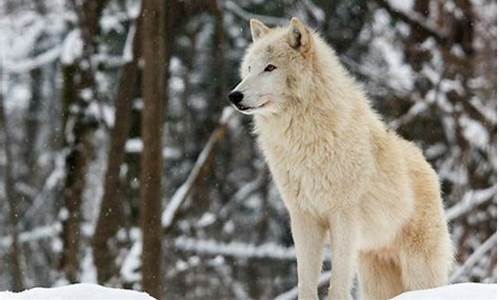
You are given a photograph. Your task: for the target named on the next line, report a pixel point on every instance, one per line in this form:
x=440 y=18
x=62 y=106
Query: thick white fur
x=344 y=177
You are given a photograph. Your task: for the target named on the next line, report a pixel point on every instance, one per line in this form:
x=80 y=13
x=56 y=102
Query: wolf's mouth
x=244 y=108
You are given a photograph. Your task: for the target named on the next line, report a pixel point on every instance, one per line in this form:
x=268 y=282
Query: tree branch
x=235 y=249
x=489 y=244
x=243 y=14
x=471 y=200
x=415 y=21
x=183 y=191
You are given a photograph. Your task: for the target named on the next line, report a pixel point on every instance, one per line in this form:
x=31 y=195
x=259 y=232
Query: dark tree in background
x=12 y=199
x=78 y=124
x=154 y=97
x=122 y=164
x=111 y=214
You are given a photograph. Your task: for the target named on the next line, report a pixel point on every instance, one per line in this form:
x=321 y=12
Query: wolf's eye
x=270 y=68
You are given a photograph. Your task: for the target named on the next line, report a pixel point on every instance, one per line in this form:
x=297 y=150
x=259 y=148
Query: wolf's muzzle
x=235 y=97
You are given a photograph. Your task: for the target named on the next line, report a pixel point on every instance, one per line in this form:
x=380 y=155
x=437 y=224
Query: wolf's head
x=277 y=68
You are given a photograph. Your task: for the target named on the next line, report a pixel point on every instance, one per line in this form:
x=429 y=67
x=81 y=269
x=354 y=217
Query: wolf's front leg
x=343 y=242
x=309 y=237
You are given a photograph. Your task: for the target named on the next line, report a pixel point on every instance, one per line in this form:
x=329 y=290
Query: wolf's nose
x=235 y=97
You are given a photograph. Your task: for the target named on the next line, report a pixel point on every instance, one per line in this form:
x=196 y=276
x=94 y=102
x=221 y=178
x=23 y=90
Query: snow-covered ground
x=461 y=291
x=81 y=291
x=84 y=291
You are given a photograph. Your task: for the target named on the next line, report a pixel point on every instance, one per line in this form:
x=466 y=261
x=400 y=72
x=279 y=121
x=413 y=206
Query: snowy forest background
x=80 y=168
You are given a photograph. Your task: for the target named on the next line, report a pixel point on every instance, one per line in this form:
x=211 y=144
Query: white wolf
x=342 y=174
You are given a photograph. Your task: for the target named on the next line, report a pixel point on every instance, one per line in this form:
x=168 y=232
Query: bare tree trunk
x=415 y=53
x=78 y=82
x=215 y=108
x=189 y=114
x=111 y=212
x=154 y=97
x=32 y=124
x=12 y=199
x=76 y=170
x=221 y=168
x=32 y=116
x=219 y=56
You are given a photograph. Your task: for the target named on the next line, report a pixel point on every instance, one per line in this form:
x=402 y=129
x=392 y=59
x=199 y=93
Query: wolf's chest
x=302 y=173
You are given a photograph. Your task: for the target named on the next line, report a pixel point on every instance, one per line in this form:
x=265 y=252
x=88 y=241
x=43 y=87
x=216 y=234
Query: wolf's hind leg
x=309 y=238
x=420 y=271
x=380 y=278
x=426 y=253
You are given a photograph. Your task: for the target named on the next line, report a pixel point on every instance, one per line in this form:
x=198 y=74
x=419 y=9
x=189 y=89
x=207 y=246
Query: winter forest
x=121 y=162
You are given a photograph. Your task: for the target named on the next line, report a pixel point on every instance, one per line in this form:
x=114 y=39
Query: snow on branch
x=248 y=189
x=130 y=269
x=243 y=193
x=415 y=20
x=38 y=233
x=235 y=249
x=489 y=244
x=245 y=15
x=379 y=80
x=294 y=292
x=471 y=200
x=72 y=47
x=415 y=109
x=27 y=65
x=128 y=54
x=476 y=113
x=184 y=190
x=51 y=181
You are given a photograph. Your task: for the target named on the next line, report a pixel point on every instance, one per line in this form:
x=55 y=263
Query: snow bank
x=462 y=291
x=81 y=291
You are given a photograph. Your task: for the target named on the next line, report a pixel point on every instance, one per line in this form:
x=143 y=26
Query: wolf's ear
x=299 y=37
x=257 y=28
